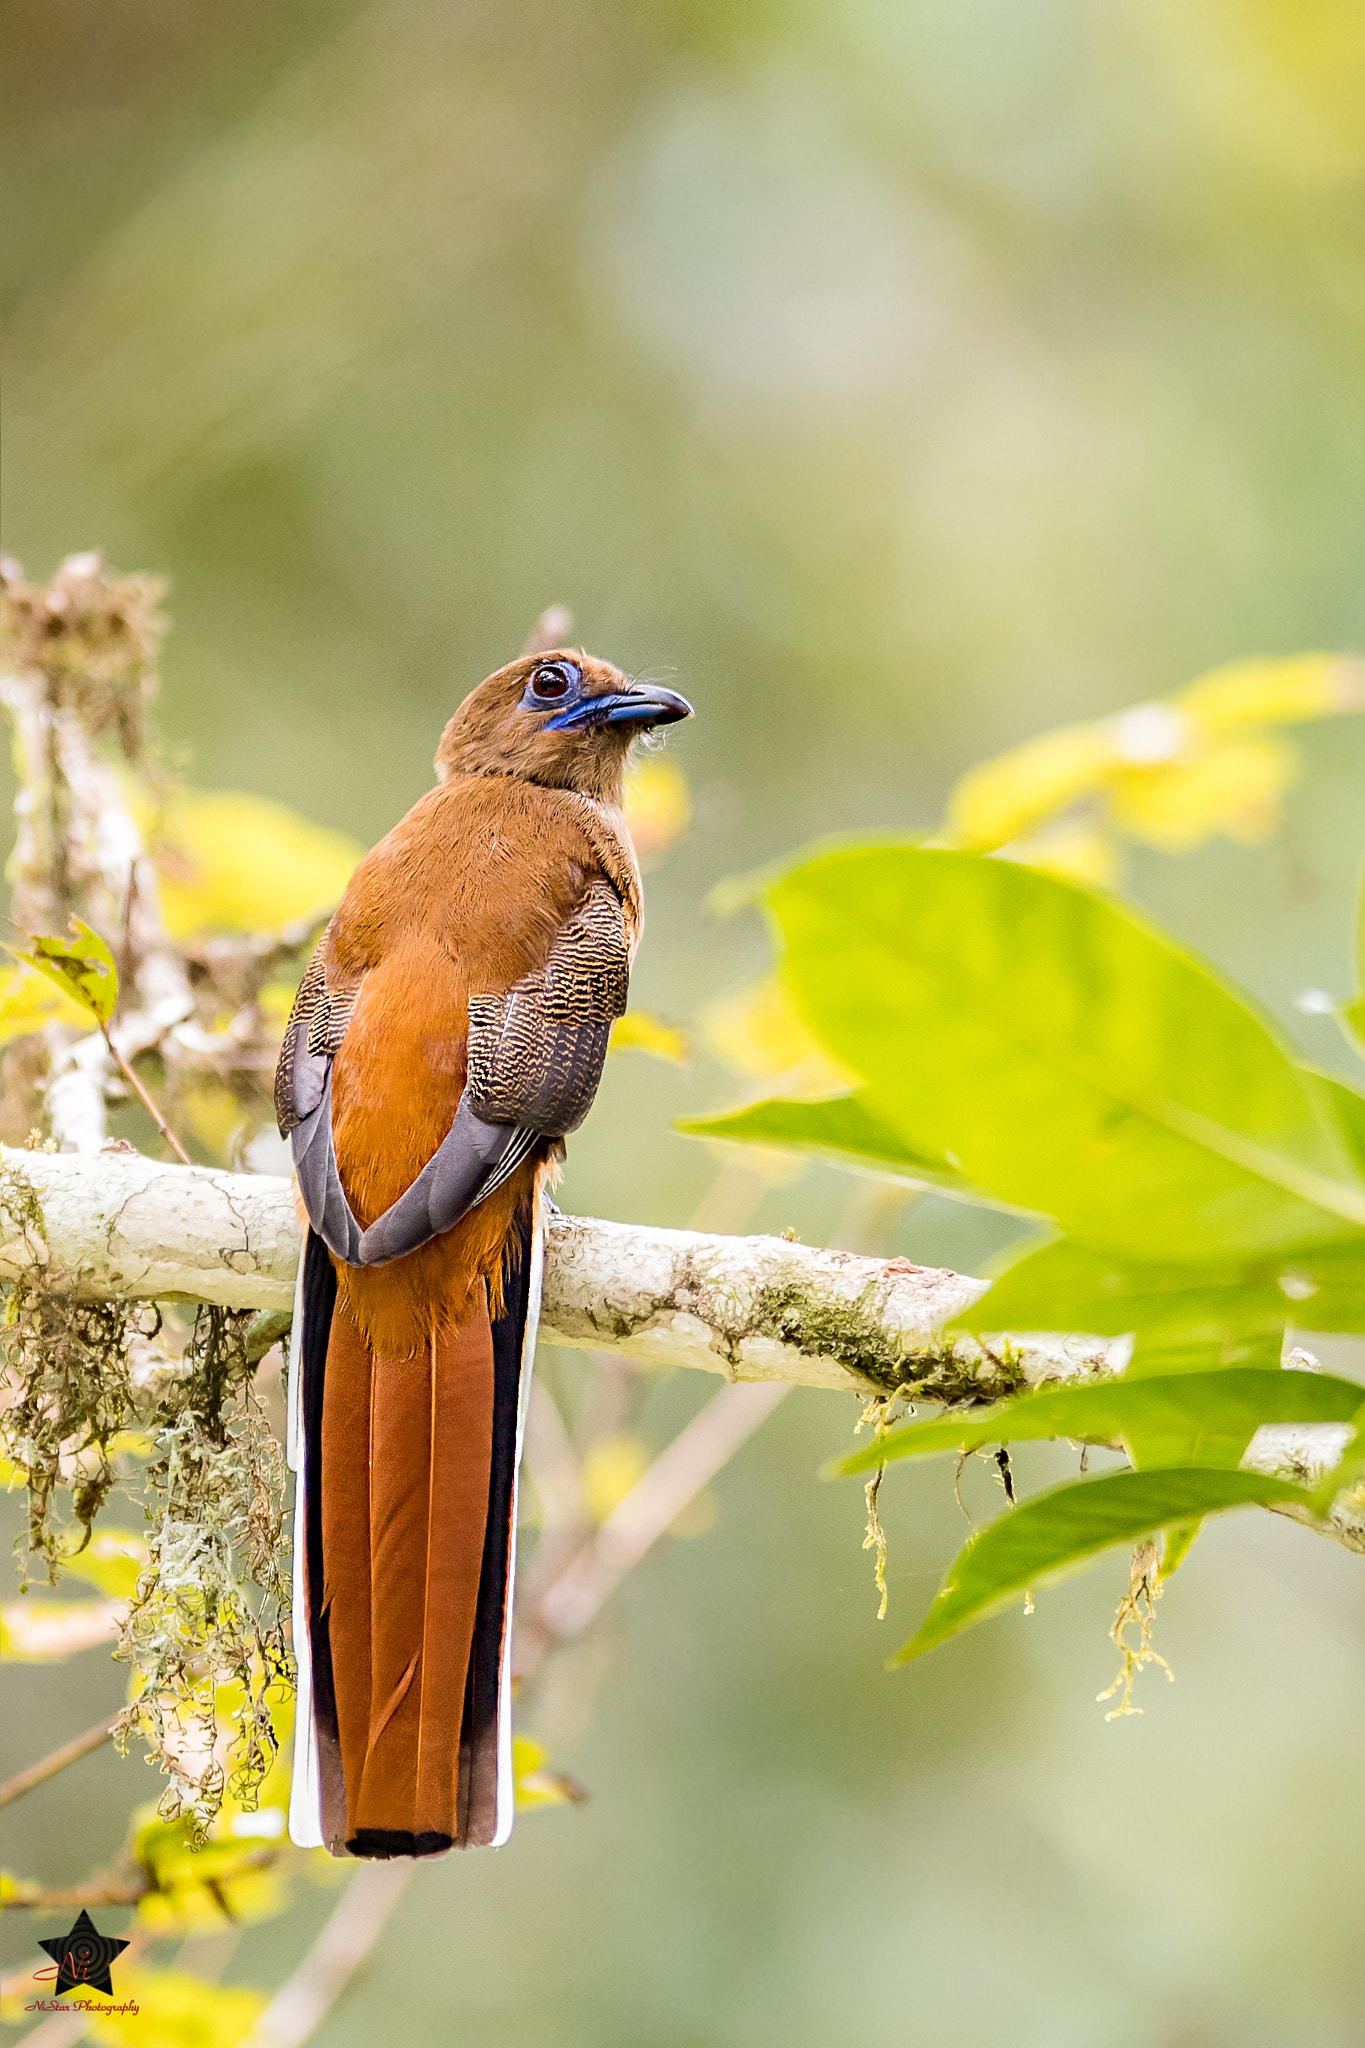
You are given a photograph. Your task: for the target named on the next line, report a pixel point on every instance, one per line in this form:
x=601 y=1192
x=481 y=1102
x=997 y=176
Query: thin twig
x=125 y=936
x=344 y=1945
x=124 y=1883
x=69 y=1753
x=96 y=1891
x=675 y=1478
x=167 y=1133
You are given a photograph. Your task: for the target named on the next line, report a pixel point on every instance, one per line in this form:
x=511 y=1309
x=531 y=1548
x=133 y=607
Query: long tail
x=404 y=1559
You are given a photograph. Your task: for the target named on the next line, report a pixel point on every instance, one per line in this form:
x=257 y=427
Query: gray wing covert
x=536 y=1053
x=312 y=1039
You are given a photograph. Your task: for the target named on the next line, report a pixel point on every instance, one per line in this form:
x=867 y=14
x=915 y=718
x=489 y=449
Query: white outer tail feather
x=305 y=1792
x=507 y=1796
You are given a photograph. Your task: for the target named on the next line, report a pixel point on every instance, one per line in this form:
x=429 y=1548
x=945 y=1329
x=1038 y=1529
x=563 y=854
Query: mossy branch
x=116 y=1227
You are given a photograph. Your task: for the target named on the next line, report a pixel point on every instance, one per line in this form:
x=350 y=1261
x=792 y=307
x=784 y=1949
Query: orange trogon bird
x=450 y=1031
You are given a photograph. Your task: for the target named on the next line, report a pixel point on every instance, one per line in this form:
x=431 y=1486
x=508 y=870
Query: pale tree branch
x=82 y=655
x=673 y=1481
x=116 y=1226
x=342 y=1948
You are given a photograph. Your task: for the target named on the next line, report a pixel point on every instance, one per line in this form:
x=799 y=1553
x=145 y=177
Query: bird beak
x=643 y=704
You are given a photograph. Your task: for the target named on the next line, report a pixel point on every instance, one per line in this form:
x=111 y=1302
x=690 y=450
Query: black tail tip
x=379 y=1844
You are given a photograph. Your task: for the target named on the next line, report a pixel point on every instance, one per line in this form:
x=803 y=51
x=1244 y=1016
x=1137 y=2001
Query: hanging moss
x=66 y=1366
x=211 y=1605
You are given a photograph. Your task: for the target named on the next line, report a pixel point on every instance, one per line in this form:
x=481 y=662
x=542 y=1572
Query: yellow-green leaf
x=169 y=1853
x=1171 y=772
x=658 y=805
x=28 y=1001
x=533 y=1784
x=112 y=1560
x=241 y=1896
x=1017 y=791
x=1287 y=691
x=231 y=861
x=758 y=1031
x=81 y=966
x=1236 y=788
x=612 y=1468
x=645 y=1031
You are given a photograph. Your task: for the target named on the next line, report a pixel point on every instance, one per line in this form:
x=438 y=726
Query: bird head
x=560 y=718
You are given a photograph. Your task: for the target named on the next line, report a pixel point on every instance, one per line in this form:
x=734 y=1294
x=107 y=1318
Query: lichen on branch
x=94 y=1400
x=210 y=1609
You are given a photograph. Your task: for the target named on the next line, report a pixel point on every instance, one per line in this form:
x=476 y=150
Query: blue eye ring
x=551 y=682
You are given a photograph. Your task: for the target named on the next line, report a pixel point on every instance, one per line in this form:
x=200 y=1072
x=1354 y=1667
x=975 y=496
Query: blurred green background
x=898 y=379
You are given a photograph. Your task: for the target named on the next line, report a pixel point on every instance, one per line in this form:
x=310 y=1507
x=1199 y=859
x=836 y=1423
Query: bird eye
x=554 y=679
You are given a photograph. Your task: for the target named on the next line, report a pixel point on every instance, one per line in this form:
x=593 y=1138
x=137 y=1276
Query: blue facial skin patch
x=551 y=683
x=559 y=685
x=621 y=707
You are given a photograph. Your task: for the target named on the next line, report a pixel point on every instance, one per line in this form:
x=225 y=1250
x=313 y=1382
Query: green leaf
x=1167 y=1353
x=1067 y=1286
x=1056 y=1532
x=845 y=1128
x=81 y=966
x=1179 y=1542
x=1064 y=1286
x=1197 y=1418
x=1349 y=1467
x=1345 y=1104
x=1063 y=1055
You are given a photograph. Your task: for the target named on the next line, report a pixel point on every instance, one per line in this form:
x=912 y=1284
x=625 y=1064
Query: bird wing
x=312 y=1037
x=536 y=1052
x=535 y=1055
